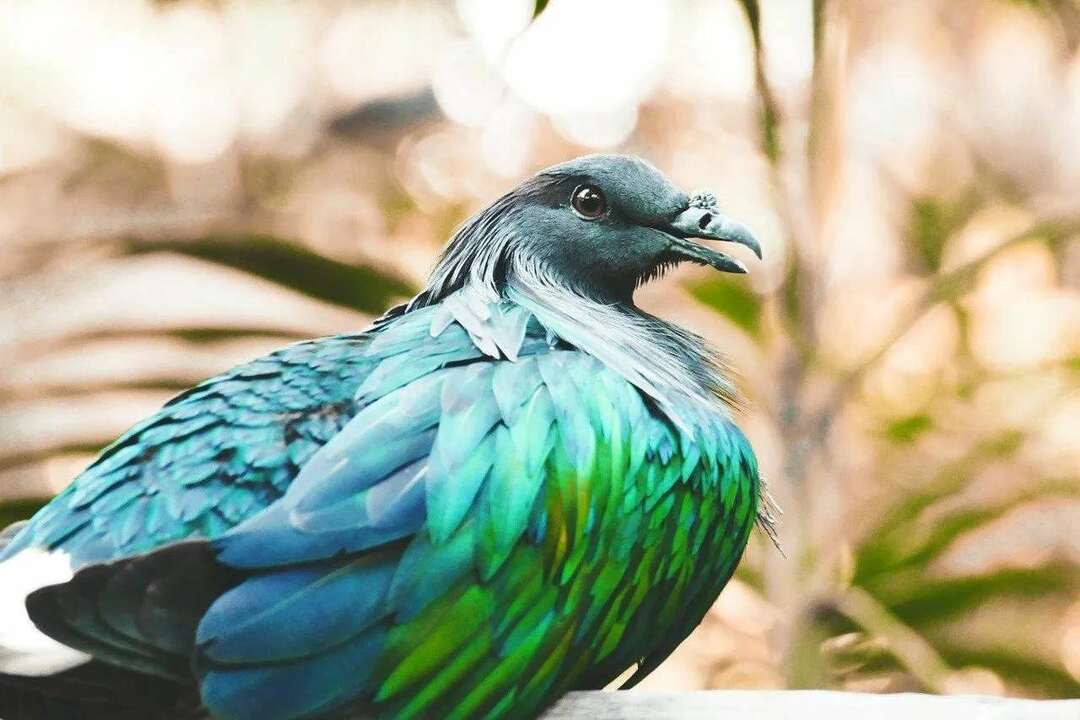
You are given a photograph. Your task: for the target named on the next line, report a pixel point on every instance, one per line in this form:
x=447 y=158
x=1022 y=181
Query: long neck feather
x=677 y=369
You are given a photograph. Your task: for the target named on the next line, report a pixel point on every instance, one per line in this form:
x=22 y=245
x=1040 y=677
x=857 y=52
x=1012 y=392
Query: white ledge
x=803 y=705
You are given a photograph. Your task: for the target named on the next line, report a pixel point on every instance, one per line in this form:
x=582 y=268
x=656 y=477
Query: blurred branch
x=22 y=458
x=396 y=115
x=770 y=113
x=195 y=335
x=100 y=229
x=795 y=287
x=909 y=647
x=283 y=261
x=163 y=382
x=946 y=286
x=797 y=314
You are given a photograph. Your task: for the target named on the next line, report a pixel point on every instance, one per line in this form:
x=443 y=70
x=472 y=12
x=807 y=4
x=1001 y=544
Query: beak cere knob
x=703 y=199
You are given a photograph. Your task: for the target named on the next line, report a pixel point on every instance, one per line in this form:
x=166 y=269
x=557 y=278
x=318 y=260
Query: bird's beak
x=707 y=223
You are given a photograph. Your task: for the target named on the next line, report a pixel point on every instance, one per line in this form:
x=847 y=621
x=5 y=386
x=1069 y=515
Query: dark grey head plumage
x=599 y=225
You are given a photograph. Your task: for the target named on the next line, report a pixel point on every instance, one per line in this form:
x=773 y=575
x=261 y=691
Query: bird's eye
x=588 y=202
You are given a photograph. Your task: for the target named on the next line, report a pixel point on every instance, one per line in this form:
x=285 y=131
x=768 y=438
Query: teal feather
x=452 y=488
x=517 y=475
x=313 y=613
x=427 y=571
x=513 y=384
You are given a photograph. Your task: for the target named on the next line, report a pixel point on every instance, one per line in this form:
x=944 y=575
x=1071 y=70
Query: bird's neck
x=682 y=374
x=685 y=377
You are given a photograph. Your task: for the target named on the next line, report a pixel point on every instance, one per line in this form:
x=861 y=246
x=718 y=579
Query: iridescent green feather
x=633 y=541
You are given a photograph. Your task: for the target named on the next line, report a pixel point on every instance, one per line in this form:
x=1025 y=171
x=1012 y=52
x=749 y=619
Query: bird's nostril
x=704 y=221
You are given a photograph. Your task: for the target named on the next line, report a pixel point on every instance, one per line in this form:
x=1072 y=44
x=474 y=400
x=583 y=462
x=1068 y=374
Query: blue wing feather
x=297 y=612
x=330 y=679
x=211 y=457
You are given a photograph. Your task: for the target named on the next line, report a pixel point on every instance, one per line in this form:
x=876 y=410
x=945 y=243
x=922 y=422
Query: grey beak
x=707 y=223
x=698 y=253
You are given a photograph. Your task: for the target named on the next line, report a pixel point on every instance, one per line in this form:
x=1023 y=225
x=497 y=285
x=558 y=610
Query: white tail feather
x=25 y=650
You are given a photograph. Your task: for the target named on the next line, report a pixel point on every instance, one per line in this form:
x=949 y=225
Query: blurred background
x=186 y=185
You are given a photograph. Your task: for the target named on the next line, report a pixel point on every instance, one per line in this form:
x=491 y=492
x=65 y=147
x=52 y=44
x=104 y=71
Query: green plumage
x=596 y=542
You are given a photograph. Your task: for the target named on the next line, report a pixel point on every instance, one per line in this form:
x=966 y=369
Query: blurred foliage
x=908 y=429
x=935 y=220
x=15 y=510
x=732 y=299
x=292 y=266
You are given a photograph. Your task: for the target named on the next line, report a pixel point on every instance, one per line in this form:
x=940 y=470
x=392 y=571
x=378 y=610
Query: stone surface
x=803 y=705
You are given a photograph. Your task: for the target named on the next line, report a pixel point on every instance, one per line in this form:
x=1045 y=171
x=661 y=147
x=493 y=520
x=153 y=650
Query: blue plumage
x=481 y=502
x=213 y=456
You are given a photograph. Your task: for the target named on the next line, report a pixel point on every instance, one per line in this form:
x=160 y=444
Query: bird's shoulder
x=229 y=447
x=484 y=415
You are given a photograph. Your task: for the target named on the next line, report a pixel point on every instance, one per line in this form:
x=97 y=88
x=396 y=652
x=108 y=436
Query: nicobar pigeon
x=515 y=485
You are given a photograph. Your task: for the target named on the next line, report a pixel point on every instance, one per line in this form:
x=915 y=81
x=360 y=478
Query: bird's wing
x=229 y=447
x=210 y=458
x=473 y=540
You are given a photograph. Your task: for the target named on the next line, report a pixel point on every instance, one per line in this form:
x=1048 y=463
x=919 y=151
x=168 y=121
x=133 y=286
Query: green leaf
x=539 y=7
x=291 y=265
x=13 y=511
x=1045 y=678
x=898 y=534
x=732 y=299
x=916 y=546
x=928 y=230
x=929 y=601
x=969 y=519
x=935 y=220
x=907 y=430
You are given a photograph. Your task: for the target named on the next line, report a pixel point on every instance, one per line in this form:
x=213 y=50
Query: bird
x=516 y=484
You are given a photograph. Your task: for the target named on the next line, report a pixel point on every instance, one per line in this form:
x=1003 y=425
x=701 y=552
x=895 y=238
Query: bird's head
x=599 y=225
